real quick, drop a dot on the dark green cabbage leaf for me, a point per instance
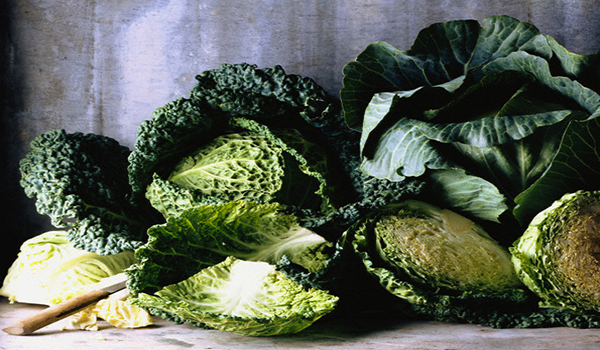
(80, 181)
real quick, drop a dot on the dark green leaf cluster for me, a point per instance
(500, 312)
(373, 194)
(80, 182)
(269, 96)
(487, 113)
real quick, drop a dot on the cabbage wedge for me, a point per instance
(558, 256)
(243, 297)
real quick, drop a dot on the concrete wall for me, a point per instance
(104, 66)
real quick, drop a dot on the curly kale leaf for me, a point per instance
(244, 90)
(502, 311)
(80, 181)
(373, 194)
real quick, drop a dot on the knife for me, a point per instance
(57, 312)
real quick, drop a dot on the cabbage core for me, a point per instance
(578, 254)
(443, 249)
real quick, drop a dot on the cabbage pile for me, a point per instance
(259, 203)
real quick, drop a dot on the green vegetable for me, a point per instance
(439, 265)
(248, 298)
(442, 266)
(497, 119)
(416, 249)
(557, 256)
(205, 235)
(286, 122)
(257, 166)
(49, 269)
(80, 181)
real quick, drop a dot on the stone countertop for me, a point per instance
(330, 334)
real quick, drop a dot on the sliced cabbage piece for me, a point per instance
(243, 297)
(49, 269)
(420, 253)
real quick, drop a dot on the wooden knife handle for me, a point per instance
(55, 313)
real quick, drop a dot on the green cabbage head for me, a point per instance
(256, 165)
(558, 256)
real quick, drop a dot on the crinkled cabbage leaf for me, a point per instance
(205, 235)
(80, 181)
(243, 297)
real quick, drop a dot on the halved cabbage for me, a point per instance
(558, 256)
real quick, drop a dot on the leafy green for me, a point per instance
(251, 165)
(233, 163)
(294, 113)
(434, 248)
(80, 181)
(248, 298)
(49, 269)
(441, 266)
(205, 235)
(557, 256)
(493, 109)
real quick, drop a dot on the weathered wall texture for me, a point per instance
(104, 66)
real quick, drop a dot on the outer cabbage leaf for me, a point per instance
(574, 167)
(441, 53)
(248, 298)
(205, 235)
(49, 269)
(80, 181)
(557, 256)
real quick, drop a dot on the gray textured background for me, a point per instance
(104, 66)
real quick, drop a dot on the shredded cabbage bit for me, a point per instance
(115, 310)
